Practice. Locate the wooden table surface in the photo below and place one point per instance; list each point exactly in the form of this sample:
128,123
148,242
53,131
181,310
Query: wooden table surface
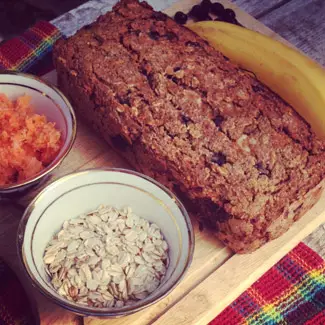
301,22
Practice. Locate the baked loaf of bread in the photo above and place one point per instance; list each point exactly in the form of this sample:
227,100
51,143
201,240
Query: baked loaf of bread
238,155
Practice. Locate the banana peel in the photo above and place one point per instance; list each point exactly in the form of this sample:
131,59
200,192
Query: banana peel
296,78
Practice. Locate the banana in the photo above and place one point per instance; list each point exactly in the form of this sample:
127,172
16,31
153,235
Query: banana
297,79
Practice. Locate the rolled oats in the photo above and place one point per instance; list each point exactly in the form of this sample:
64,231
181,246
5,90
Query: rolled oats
49,258
92,284
107,258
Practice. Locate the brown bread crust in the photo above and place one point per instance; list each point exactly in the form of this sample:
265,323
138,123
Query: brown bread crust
242,158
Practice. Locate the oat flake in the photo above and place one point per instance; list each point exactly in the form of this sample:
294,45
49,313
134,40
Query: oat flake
107,258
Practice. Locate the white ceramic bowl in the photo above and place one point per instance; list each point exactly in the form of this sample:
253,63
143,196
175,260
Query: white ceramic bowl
84,191
46,100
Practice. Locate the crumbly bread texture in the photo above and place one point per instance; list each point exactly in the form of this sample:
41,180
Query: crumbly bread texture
241,158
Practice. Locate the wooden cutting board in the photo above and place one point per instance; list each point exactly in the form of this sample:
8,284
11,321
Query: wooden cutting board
216,276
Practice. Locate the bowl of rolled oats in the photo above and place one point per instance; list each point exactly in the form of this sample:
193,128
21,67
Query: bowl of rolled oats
105,242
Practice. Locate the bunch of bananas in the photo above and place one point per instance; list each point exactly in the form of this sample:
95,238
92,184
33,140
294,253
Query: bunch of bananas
297,79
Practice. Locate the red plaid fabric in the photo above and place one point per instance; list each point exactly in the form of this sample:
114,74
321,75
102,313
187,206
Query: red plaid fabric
290,293
31,51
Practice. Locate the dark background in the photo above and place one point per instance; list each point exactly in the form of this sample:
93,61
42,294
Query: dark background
18,15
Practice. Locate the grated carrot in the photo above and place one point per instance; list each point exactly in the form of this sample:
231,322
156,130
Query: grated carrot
28,142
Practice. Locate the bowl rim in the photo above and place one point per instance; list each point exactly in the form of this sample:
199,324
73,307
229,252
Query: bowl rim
46,171
94,311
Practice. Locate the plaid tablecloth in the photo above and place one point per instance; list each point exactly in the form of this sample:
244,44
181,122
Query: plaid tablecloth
291,293
31,51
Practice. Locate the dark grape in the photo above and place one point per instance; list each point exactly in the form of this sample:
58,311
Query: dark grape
206,4
180,18
230,20
195,11
217,8
199,13
230,13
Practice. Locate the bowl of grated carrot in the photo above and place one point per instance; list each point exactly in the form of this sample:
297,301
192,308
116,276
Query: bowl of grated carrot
37,131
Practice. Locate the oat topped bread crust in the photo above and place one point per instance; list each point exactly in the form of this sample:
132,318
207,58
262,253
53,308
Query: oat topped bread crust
193,120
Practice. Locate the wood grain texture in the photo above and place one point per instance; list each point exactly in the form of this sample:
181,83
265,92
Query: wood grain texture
302,23
316,240
257,7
